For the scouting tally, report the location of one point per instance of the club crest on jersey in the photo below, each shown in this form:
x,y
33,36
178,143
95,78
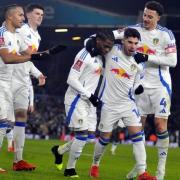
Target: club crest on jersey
x,y
95,61
100,126
77,65
155,41
29,36
18,42
80,121
133,67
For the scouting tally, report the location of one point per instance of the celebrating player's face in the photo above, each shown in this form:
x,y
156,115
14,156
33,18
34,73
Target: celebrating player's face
x,y
36,16
104,46
150,19
17,17
130,45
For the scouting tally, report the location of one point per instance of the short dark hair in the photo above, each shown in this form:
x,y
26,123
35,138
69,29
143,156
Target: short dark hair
x,y
156,6
8,8
31,7
105,34
131,32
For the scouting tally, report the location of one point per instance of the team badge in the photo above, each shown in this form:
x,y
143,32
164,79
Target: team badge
x,y
100,126
95,61
133,67
29,36
155,41
80,121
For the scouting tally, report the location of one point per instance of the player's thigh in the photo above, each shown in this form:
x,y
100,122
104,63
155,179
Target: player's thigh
x,y
109,118
161,102
21,98
143,103
131,116
92,119
11,115
77,117
5,102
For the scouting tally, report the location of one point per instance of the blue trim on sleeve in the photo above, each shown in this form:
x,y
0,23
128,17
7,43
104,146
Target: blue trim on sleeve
x,y
2,30
164,83
166,30
84,54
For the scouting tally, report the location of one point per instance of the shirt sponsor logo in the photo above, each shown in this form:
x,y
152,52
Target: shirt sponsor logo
x,y
120,73
146,50
77,65
33,48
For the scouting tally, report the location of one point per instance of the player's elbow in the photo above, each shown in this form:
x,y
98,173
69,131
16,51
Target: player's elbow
x,y
69,80
174,63
173,60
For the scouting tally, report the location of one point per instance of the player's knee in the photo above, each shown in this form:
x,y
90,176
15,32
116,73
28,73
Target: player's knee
x,y
21,115
81,135
91,137
104,141
136,137
160,127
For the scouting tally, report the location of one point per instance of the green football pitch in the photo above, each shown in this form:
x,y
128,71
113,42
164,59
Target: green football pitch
x,y
113,167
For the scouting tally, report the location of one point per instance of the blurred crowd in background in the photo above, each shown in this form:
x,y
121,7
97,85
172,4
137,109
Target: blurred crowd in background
x,y
48,121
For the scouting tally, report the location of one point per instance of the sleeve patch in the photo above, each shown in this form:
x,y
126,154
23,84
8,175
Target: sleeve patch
x,y
77,65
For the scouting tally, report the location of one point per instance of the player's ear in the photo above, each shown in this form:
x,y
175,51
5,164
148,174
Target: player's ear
x,y
158,18
122,41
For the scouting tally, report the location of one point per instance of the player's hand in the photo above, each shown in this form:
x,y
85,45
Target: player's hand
x,y
30,108
57,49
139,57
139,90
121,29
95,100
42,80
40,56
91,47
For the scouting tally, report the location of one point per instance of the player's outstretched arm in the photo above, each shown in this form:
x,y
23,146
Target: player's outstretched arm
x,y
10,58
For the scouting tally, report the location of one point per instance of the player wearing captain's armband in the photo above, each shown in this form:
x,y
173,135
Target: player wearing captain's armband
x,y
158,50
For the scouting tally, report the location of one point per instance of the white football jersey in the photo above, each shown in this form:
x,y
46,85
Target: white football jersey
x,y
120,75
84,76
22,71
160,45
30,37
13,42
